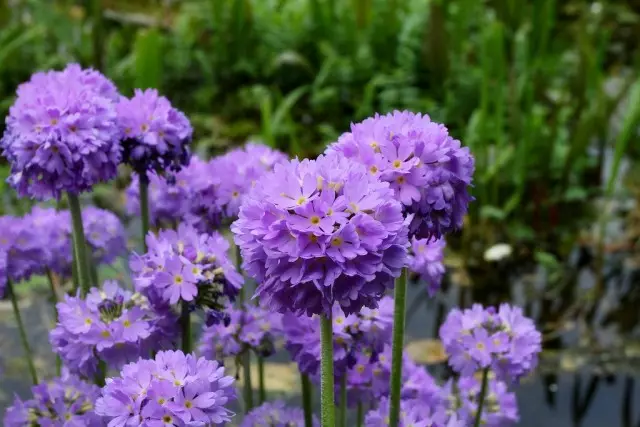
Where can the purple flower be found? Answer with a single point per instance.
(413, 413)
(104, 233)
(172, 389)
(303, 264)
(62, 133)
(426, 259)
(428, 170)
(156, 136)
(275, 414)
(3, 272)
(506, 342)
(65, 401)
(23, 246)
(111, 324)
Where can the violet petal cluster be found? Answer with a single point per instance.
(429, 171)
(105, 234)
(62, 402)
(413, 413)
(248, 328)
(24, 248)
(426, 259)
(505, 341)
(111, 324)
(171, 389)
(318, 232)
(156, 136)
(276, 414)
(62, 133)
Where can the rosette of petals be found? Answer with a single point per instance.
(185, 265)
(63, 401)
(426, 259)
(429, 170)
(318, 232)
(276, 414)
(505, 341)
(413, 413)
(104, 233)
(156, 136)
(62, 133)
(111, 324)
(171, 389)
(24, 247)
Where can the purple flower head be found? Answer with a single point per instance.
(3, 272)
(62, 402)
(185, 265)
(156, 136)
(426, 259)
(111, 324)
(276, 414)
(23, 245)
(505, 341)
(318, 232)
(104, 233)
(413, 413)
(62, 133)
(428, 170)
(173, 389)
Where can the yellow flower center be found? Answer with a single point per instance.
(88, 321)
(397, 163)
(360, 368)
(105, 334)
(373, 169)
(126, 324)
(315, 220)
(144, 127)
(178, 279)
(301, 200)
(188, 404)
(235, 194)
(336, 241)
(313, 238)
(167, 419)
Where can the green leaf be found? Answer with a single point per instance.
(148, 58)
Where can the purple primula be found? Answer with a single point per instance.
(62, 402)
(111, 324)
(318, 232)
(276, 414)
(427, 169)
(426, 259)
(104, 233)
(156, 136)
(172, 389)
(24, 247)
(505, 341)
(62, 133)
(413, 413)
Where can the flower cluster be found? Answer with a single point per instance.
(276, 414)
(171, 389)
(426, 259)
(413, 413)
(156, 136)
(250, 327)
(23, 247)
(505, 341)
(185, 265)
(428, 170)
(63, 401)
(104, 233)
(318, 232)
(112, 325)
(62, 133)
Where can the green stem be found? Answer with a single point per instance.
(247, 386)
(327, 401)
(359, 415)
(101, 375)
(79, 245)
(481, 397)
(306, 400)
(262, 390)
(185, 323)
(343, 401)
(97, 34)
(144, 208)
(396, 349)
(54, 300)
(23, 333)
(241, 294)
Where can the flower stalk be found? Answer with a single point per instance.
(23, 333)
(481, 397)
(144, 208)
(400, 294)
(185, 324)
(307, 400)
(327, 401)
(79, 245)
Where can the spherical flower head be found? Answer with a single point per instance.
(276, 414)
(185, 265)
(63, 401)
(111, 324)
(505, 341)
(53, 229)
(318, 232)
(156, 135)
(62, 133)
(428, 170)
(171, 389)
(23, 246)
(413, 413)
(104, 233)
(426, 259)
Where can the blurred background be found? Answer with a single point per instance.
(546, 93)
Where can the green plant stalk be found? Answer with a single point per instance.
(185, 324)
(307, 400)
(144, 208)
(79, 244)
(359, 415)
(54, 300)
(481, 398)
(262, 386)
(23, 333)
(247, 387)
(101, 375)
(343, 401)
(97, 34)
(396, 347)
(327, 402)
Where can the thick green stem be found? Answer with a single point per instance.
(397, 346)
(262, 390)
(79, 245)
(144, 208)
(343, 401)
(247, 386)
(23, 333)
(327, 401)
(185, 324)
(307, 400)
(359, 415)
(481, 396)
(54, 300)
(101, 375)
